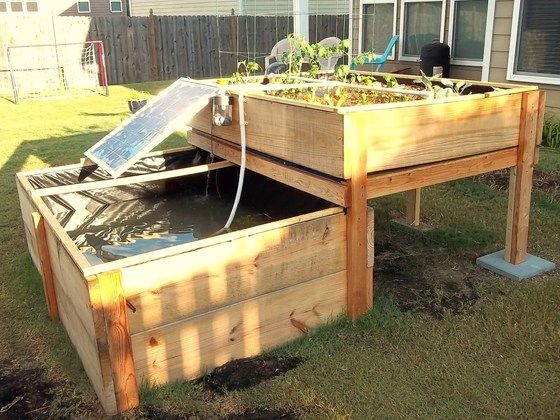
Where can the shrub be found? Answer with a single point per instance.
(551, 131)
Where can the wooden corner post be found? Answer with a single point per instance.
(359, 297)
(46, 268)
(119, 344)
(521, 180)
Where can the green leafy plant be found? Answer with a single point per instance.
(551, 131)
(138, 95)
(245, 70)
(445, 88)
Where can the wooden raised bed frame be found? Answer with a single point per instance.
(113, 311)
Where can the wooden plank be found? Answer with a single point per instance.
(427, 133)
(107, 392)
(165, 290)
(521, 180)
(46, 268)
(27, 208)
(398, 180)
(370, 238)
(137, 179)
(320, 186)
(412, 214)
(118, 340)
(356, 220)
(540, 123)
(189, 348)
(75, 311)
(84, 162)
(308, 137)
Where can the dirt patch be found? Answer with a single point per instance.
(262, 414)
(544, 182)
(247, 372)
(28, 394)
(425, 281)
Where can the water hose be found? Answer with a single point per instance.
(242, 124)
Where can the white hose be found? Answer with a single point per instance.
(242, 124)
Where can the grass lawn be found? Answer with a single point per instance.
(445, 338)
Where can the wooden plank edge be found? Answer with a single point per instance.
(118, 340)
(203, 243)
(137, 179)
(399, 180)
(52, 169)
(540, 124)
(46, 267)
(322, 187)
(57, 228)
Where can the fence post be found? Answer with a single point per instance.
(152, 47)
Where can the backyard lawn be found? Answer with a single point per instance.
(445, 339)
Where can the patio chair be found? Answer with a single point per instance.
(382, 58)
(329, 63)
(281, 47)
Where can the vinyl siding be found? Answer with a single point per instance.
(97, 8)
(225, 7)
(500, 53)
(181, 7)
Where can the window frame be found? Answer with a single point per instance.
(111, 6)
(83, 1)
(460, 62)
(21, 3)
(513, 45)
(416, 58)
(360, 28)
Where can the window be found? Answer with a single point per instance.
(534, 54)
(3, 7)
(83, 7)
(378, 25)
(32, 6)
(16, 6)
(421, 23)
(115, 5)
(467, 28)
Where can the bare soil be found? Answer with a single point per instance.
(547, 183)
(263, 414)
(247, 372)
(425, 281)
(27, 393)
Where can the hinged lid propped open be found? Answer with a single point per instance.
(139, 134)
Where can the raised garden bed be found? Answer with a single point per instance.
(175, 312)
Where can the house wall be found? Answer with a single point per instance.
(412, 67)
(225, 7)
(97, 8)
(500, 52)
(182, 7)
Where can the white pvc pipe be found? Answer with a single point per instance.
(243, 133)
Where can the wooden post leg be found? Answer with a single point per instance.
(118, 340)
(356, 223)
(370, 255)
(521, 180)
(413, 207)
(46, 268)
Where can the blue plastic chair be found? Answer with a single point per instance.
(382, 58)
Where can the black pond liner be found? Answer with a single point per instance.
(117, 222)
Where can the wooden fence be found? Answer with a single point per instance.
(140, 49)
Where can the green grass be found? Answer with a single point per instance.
(498, 358)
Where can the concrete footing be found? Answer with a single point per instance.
(533, 266)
